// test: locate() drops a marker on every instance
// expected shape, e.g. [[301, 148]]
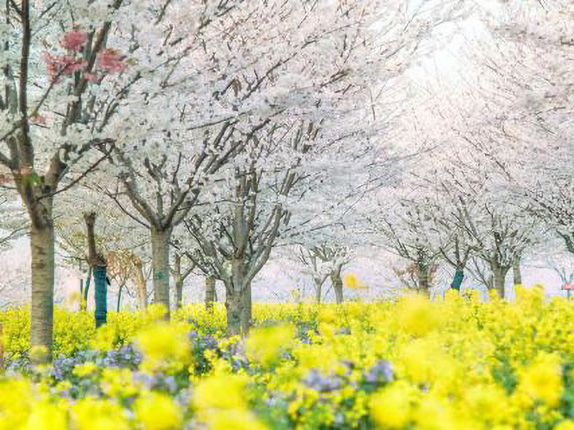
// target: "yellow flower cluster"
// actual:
[[405, 365]]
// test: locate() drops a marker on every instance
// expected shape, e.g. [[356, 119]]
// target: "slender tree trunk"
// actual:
[[178, 293], [423, 275], [141, 285], [337, 286], [318, 290], [84, 305], [119, 301], [178, 280], [490, 282], [210, 297], [517, 272], [42, 247], [99, 264], [82, 301], [160, 265]]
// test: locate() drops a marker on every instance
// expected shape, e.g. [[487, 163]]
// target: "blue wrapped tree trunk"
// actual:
[[98, 263], [457, 280], [101, 294]]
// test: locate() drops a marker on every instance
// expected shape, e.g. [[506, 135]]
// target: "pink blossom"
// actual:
[[74, 40], [91, 77], [63, 65], [110, 61]]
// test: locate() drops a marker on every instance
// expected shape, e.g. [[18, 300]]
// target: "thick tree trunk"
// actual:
[[517, 272], [210, 297], [499, 272], [337, 286], [101, 294], [236, 298], [160, 267], [233, 307], [42, 247], [246, 308]]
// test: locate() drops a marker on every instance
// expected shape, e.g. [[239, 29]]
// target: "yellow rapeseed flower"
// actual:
[[158, 411], [222, 391], [163, 342], [417, 315], [46, 416], [391, 407], [265, 344], [235, 419], [85, 369], [95, 414], [542, 380]]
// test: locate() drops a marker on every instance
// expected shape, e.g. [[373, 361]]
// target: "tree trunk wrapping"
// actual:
[[457, 280], [42, 318], [101, 295], [160, 267]]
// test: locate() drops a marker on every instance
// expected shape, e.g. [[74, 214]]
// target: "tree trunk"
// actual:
[[84, 304], [141, 285], [160, 265], [42, 247], [98, 263], [101, 294], [82, 301], [499, 272], [318, 290], [178, 293], [119, 301], [337, 286], [209, 293], [423, 276], [517, 272], [246, 308], [236, 298], [233, 307], [457, 279]]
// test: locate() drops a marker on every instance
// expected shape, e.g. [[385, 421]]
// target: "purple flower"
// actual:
[[380, 373]]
